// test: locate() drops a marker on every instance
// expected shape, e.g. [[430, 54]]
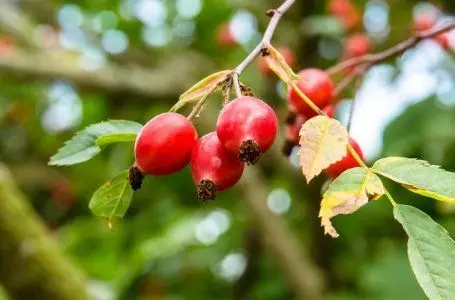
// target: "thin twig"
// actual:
[[346, 81], [391, 52], [235, 80], [268, 34], [353, 105], [200, 104]]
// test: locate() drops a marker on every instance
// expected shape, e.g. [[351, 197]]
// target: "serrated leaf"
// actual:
[[83, 146], [115, 138], [419, 177], [113, 198], [347, 193], [209, 84], [323, 141], [431, 252], [278, 65]]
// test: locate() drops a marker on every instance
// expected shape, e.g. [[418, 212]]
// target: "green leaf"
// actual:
[[323, 142], [207, 85], [419, 177], [84, 145], [347, 193], [113, 198], [115, 138], [431, 252]]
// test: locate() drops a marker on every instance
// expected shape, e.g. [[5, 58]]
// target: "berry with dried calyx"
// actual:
[[213, 168], [163, 146], [247, 127]]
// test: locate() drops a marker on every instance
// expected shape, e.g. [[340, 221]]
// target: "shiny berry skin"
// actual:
[[289, 58], [357, 45], [348, 161], [213, 168], [247, 127], [164, 144], [317, 85], [224, 36], [329, 110]]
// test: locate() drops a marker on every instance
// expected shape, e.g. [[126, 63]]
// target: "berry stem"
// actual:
[[390, 197], [200, 104], [305, 98], [268, 34], [375, 58]]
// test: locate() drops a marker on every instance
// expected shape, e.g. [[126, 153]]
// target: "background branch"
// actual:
[[168, 78], [373, 59], [27, 246]]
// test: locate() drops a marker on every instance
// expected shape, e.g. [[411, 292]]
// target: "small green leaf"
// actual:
[[84, 145], [419, 177], [115, 138], [347, 193], [113, 198], [209, 84], [431, 252]]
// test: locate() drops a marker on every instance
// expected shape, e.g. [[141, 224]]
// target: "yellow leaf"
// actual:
[[323, 142], [350, 191], [207, 85], [278, 65]]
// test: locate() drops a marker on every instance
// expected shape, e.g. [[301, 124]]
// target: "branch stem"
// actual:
[[375, 58]]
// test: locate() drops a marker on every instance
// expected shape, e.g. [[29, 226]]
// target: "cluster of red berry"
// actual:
[[318, 86], [426, 20], [246, 128]]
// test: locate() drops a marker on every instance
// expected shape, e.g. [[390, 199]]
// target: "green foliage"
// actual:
[[419, 177], [105, 140], [87, 143], [431, 252], [113, 198]]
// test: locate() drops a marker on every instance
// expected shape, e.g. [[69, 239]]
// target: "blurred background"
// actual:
[[67, 64]]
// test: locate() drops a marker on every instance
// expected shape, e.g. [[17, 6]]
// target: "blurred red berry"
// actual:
[[289, 58], [357, 45], [348, 161], [224, 36], [317, 85]]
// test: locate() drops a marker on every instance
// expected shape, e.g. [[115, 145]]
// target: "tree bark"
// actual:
[[32, 266]]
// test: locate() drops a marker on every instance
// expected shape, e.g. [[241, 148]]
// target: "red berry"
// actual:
[[247, 127], [443, 40], [288, 56], [213, 168], [348, 161], [424, 21], [357, 45], [224, 36], [346, 12], [317, 85], [164, 144], [330, 110]]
